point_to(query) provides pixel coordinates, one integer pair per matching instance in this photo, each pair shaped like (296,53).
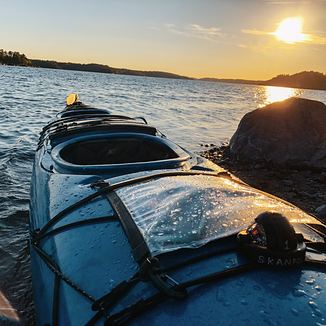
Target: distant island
(16,59)
(95,67)
(304,79)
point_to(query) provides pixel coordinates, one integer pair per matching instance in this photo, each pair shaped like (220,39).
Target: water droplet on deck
(310,281)
(299,293)
(294,311)
(313,304)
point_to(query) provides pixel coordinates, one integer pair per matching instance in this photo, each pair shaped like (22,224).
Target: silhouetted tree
(13,58)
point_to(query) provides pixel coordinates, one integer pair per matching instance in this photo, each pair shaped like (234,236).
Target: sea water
(189,112)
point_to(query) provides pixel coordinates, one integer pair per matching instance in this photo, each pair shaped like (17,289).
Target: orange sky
(207,38)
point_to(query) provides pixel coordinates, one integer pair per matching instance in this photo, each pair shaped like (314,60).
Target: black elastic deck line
(94,116)
(85,116)
(114,296)
(115,186)
(315,263)
(66,227)
(213,277)
(56,270)
(58,276)
(199,258)
(93,122)
(73,126)
(140,306)
(140,128)
(317,228)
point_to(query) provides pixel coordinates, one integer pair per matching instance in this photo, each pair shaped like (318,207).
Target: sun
(290,30)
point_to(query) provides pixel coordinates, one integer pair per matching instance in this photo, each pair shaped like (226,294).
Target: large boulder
(291,132)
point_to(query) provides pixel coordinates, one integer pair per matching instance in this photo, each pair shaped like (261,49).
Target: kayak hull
(80,256)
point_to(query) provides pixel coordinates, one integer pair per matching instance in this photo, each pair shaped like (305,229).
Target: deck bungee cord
(63,126)
(251,242)
(154,225)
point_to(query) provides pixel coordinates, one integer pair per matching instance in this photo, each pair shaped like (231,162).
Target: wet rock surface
(291,133)
(321,212)
(305,188)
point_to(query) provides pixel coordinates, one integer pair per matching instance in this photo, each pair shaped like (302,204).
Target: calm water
(188,112)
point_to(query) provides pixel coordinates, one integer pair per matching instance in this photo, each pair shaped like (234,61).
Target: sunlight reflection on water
(271,94)
(6,309)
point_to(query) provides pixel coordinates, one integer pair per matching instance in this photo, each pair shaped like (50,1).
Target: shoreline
(105,69)
(305,189)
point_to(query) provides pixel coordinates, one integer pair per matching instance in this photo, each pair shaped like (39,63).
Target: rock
(291,194)
(321,211)
(322,177)
(288,182)
(291,132)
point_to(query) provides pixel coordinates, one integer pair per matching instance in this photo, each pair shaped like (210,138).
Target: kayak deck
(116,238)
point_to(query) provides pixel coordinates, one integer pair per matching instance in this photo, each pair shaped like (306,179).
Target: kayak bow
(128,227)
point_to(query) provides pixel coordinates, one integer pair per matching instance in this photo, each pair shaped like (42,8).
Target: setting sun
(290,30)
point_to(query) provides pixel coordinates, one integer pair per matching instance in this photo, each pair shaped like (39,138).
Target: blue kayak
(127,227)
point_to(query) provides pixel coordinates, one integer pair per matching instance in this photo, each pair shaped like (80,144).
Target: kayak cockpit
(103,152)
(116,150)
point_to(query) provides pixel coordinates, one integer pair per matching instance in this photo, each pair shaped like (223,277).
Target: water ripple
(188,112)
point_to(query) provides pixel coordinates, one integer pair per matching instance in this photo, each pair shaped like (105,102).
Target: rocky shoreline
(305,188)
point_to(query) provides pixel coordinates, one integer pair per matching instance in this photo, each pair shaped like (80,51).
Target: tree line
(304,79)
(14,58)
(18,59)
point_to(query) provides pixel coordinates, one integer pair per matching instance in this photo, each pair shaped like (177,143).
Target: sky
(197,38)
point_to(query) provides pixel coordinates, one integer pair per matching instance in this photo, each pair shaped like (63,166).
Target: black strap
(115,294)
(150,270)
(108,300)
(144,304)
(56,301)
(135,238)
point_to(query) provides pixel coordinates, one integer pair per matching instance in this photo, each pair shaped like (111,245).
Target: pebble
(322,177)
(321,211)
(288,182)
(304,188)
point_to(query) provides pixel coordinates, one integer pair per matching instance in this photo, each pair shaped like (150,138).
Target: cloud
(243,46)
(315,39)
(205,31)
(196,31)
(255,32)
(272,2)
(307,39)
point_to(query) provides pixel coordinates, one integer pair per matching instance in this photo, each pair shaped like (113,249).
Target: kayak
(127,227)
